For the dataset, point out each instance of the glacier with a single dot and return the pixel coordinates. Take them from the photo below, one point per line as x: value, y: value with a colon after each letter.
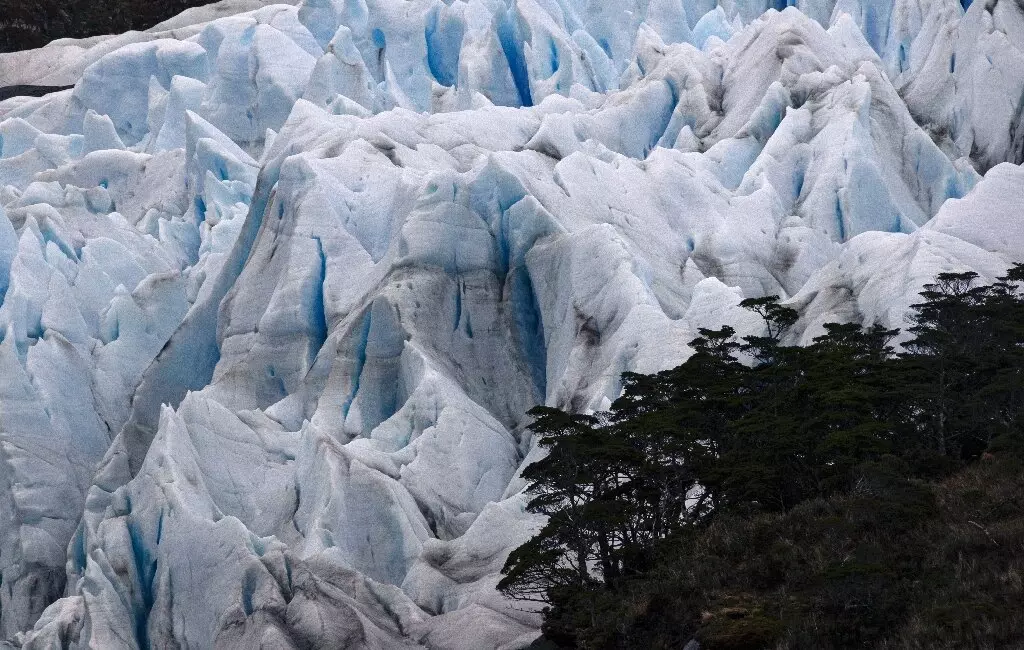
x: 279, y: 281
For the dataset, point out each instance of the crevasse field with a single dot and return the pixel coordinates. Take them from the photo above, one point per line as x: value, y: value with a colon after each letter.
x: 279, y: 282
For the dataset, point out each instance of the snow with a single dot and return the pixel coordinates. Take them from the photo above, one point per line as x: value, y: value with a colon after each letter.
x: 278, y: 282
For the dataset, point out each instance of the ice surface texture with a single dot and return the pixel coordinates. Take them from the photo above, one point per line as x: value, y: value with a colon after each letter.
x: 279, y: 282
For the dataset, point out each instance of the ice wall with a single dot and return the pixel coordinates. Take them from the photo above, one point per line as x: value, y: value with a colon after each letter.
x: 279, y: 282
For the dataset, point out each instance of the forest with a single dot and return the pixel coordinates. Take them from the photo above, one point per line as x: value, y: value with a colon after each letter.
x: 856, y: 492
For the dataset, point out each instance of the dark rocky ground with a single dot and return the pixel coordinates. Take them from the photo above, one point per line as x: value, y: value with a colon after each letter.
x: 28, y: 24
x: 7, y: 92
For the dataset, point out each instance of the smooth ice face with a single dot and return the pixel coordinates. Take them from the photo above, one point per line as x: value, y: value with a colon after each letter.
x: 278, y: 282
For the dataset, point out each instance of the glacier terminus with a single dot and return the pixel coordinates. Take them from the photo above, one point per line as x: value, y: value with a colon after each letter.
x: 279, y: 282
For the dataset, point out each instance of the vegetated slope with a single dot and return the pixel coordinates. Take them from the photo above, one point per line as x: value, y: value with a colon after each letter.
x: 767, y: 496
x: 350, y: 245
x: 898, y: 564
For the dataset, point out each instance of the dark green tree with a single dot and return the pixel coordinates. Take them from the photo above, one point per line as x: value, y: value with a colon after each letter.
x: 663, y: 512
x: 966, y: 351
x: 563, y: 487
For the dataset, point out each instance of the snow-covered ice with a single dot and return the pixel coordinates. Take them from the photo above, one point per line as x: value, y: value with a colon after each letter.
x: 278, y: 282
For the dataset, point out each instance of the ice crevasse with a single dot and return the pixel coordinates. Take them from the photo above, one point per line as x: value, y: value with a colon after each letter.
x: 278, y: 282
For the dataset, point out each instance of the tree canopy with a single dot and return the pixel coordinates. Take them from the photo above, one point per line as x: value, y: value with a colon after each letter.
x: 764, y: 495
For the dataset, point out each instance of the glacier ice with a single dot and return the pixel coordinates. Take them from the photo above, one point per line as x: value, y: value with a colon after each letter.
x: 279, y: 281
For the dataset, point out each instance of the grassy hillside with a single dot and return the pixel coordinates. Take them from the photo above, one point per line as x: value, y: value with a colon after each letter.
x: 899, y: 564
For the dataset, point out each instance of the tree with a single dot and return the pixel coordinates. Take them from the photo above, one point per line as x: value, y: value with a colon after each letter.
x: 662, y: 512
x: 966, y: 351
x: 567, y: 486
